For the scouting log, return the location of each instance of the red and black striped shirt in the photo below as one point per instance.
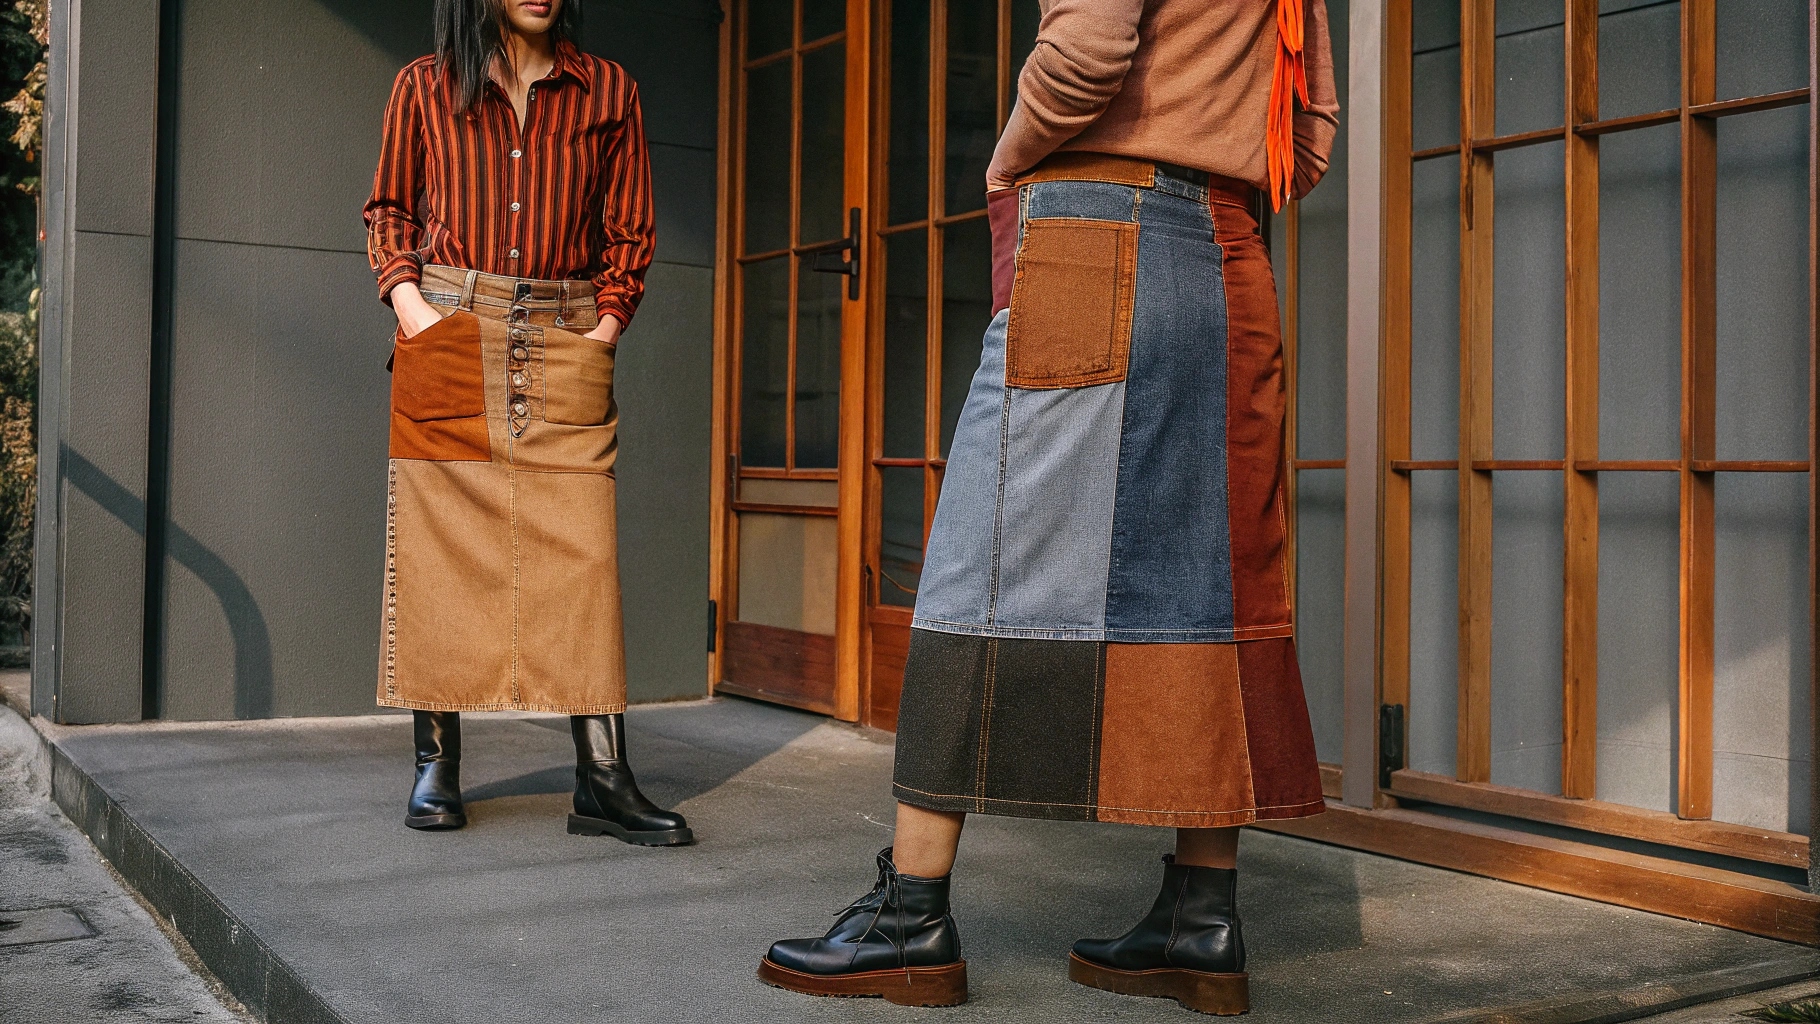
(567, 196)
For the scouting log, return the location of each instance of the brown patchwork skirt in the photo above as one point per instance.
(1102, 627)
(502, 568)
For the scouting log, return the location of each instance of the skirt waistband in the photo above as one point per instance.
(1126, 170)
(467, 288)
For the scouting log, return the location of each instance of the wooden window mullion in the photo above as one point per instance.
(1580, 570)
(1478, 107)
(1699, 200)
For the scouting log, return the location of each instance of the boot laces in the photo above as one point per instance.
(886, 892)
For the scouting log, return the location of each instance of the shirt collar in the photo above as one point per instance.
(569, 61)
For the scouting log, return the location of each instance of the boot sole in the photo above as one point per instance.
(912, 986)
(584, 826)
(1222, 995)
(436, 822)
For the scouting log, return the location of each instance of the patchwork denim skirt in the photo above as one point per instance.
(1102, 628)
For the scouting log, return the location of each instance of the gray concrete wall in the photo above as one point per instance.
(266, 561)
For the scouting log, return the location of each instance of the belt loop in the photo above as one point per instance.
(565, 297)
(467, 290)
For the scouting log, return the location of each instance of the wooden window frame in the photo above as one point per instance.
(1697, 114)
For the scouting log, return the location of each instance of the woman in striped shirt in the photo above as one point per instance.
(510, 227)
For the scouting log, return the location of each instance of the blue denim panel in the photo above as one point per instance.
(1061, 467)
(959, 565)
(1171, 573)
(1093, 200)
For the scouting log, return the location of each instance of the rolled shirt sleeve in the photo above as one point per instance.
(628, 218)
(393, 226)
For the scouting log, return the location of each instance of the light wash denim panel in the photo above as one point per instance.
(1099, 513)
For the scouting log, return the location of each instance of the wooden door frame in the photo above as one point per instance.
(850, 475)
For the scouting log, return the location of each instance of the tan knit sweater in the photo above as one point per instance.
(1181, 81)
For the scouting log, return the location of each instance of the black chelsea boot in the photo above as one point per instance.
(1188, 948)
(607, 800)
(897, 941)
(435, 802)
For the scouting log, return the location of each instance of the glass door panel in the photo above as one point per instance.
(791, 106)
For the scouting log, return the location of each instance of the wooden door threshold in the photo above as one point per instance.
(1694, 892)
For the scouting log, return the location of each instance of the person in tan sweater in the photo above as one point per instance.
(1102, 627)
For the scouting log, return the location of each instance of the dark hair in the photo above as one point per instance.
(470, 33)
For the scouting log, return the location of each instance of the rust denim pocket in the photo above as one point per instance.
(1070, 323)
(436, 373)
(578, 379)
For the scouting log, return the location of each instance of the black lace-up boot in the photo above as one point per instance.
(897, 941)
(607, 800)
(1188, 948)
(436, 797)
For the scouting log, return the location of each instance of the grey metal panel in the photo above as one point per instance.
(1761, 654)
(662, 382)
(280, 106)
(1639, 608)
(1640, 293)
(1321, 427)
(1529, 325)
(1762, 285)
(1434, 618)
(1639, 58)
(1320, 608)
(1321, 337)
(683, 179)
(1434, 310)
(673, 51)
(116, 114)
(1526, 645)
(275, 540)
(1531, 74)
(100, 589)
(1762, 46)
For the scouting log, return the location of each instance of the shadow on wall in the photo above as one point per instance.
(246, 623)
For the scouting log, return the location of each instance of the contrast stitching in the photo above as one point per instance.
(391, 579)
(512, 507)
(985, 744)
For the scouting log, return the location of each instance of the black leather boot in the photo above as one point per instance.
(1188, 948)
(436, 797)
(897, 941)
(607, 800)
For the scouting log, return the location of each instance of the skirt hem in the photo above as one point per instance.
(1238, 634)
(555, 709)
(957, 804)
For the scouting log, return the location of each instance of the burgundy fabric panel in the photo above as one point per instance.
(1001, 214)
(1285, 779)
(1254, 425)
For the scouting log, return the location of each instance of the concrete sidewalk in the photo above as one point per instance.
(283, 845)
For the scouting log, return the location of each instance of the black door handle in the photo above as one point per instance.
(840, 256)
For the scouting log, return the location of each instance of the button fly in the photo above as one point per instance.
(521, 352)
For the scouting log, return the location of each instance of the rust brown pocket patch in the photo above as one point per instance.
(578, 379)
(439, 406)
(436, 373)
(1070, 322)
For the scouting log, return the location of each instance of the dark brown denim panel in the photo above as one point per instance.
(1071, 303)
(938, 719)
(438, 393)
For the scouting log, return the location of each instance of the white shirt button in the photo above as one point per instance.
(513, 254)
(514, 207)
(516, 153)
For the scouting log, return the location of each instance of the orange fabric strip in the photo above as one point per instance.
(1288, 83)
